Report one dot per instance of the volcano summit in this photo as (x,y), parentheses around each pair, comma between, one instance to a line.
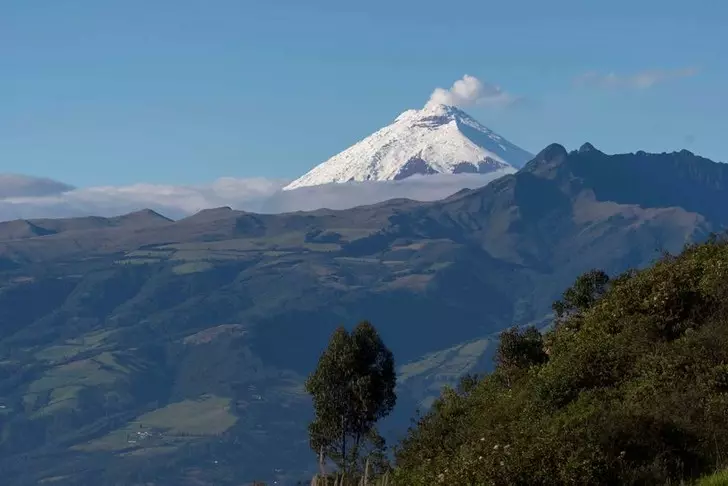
(438,139)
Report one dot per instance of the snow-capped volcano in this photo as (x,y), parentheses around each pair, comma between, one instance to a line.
(438,139)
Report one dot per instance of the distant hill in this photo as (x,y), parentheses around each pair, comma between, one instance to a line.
(139,349)
(21,228)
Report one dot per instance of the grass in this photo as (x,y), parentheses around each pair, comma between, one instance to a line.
(63,352)
(53,479)
(412,281)
(137,261)
(154,254)
(356,260)
(62,384)
(717,479)
(149,451)
(288,241)
(108,360)
(439,266)
(92,339)
(73,347)
(63,397)
(207,416)
(427,376)
(192,267)
(446,364)
(165,429)
(84,372)
(212,333)
(206,253)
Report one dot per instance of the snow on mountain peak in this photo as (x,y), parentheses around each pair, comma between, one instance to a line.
(438,139)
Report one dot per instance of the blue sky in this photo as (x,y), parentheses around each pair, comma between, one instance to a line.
(182,92)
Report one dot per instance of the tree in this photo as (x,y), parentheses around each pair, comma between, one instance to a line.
(519,349)
(587,289)
(467,383)
(352,388)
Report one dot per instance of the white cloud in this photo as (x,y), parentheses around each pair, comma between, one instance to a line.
(470,91)
(256,194)
(641,80)
(351,194)
(13,185)
(172,201)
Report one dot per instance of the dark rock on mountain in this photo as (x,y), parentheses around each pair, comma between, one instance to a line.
(587,147)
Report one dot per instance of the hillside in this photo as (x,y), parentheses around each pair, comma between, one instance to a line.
(629,388)
(174,352)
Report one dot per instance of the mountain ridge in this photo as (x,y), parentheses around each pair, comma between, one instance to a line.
(222,315)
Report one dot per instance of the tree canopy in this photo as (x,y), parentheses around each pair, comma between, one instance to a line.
(352,388)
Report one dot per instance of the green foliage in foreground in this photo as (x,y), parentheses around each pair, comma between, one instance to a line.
(631,387)
(717,479)
(352,388)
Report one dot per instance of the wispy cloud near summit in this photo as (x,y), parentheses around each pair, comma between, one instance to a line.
(470,91)
(640,80)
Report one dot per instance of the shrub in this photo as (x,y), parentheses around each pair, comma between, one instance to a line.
(630,387)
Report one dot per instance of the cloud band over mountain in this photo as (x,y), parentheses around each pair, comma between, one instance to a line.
(24,197)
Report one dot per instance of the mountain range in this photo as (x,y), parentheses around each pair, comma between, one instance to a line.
(141,350)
